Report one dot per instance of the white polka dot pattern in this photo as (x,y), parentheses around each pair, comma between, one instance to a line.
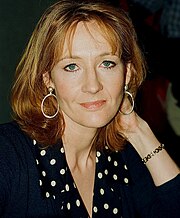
(43,173)
(53,183)
(43,152)
(78,203)
(53,161)
(62,171)
(95,209)
(115,211)
(56,180)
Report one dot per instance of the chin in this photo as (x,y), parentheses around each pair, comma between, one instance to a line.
(97,122)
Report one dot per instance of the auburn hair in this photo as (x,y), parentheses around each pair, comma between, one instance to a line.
(42,53)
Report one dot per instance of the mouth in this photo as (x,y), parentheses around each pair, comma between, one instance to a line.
(93,105)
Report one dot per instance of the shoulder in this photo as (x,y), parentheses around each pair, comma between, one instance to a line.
(14,143)
(11,132)
(8,128)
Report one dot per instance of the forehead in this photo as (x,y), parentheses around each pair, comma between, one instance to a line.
(86,32)
(86,36)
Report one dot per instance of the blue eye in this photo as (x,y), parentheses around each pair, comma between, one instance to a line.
(108,64)
(71,67)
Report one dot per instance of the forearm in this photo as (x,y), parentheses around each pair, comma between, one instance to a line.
(161,165)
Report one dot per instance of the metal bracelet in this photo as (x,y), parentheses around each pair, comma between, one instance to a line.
(157,150)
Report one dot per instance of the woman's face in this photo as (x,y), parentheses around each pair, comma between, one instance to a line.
(89,80)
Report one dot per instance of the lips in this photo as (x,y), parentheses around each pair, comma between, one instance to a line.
(94,105)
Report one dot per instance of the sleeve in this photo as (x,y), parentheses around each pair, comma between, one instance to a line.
(169,195)
(149,200)
(4,186)
(7,166)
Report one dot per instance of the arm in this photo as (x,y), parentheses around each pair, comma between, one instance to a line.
(7,168)
(151,201)
(4,187)
(161,166)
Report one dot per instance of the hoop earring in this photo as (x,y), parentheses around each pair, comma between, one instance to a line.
(50,89)
(132,101)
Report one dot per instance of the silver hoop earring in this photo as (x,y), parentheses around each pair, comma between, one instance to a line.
(50,89)
(132,101)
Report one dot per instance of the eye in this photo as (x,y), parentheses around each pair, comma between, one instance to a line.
(108,64)
(71,67)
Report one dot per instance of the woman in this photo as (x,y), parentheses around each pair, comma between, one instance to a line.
(76,145)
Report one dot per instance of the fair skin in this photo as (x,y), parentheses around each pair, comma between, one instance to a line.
(89,85)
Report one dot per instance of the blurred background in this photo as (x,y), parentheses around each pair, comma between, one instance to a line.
(17,21)
(158,100)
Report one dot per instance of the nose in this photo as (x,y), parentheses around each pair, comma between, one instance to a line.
(92,83)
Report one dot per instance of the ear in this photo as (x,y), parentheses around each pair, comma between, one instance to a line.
(47,80)
(128,73)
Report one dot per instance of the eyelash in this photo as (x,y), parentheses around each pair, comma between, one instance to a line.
(69,65)
(111,63)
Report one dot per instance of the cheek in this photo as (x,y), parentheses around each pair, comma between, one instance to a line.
(117,88)
(65,92)
(117,93)
(62,92)
(60,85)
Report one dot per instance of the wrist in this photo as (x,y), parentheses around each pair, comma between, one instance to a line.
(153,153)
(143,140)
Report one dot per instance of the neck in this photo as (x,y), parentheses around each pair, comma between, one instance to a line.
(78,145)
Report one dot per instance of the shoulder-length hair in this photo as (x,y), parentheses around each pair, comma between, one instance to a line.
(42,53)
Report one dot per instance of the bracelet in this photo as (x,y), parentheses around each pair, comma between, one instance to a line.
(157,150)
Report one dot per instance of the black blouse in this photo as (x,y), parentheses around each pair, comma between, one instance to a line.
(57,182)
(38,183)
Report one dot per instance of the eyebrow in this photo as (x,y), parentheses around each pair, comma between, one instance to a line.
(78,57)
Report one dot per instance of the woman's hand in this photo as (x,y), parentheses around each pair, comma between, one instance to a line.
(139,134)
(136,131)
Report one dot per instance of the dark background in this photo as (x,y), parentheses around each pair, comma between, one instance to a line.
(17,21)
